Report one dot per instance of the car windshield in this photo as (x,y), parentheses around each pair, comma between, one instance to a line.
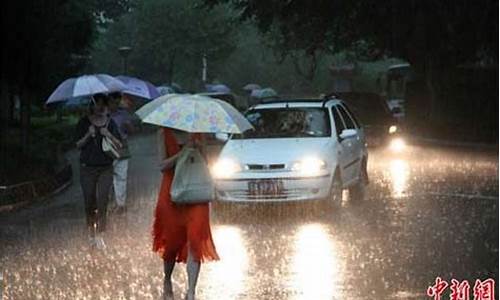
(287,123)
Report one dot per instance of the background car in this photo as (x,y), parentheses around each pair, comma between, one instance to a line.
(381,127)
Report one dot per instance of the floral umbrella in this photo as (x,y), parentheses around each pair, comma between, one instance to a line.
(194,113)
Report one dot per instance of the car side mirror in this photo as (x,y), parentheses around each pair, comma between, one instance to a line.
(348,133)
(223,137)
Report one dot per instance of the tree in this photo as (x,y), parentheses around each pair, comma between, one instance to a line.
(432,35)
(255,61)
(42,42)
(305,31)
(107,11)
(437,25)
(168,39)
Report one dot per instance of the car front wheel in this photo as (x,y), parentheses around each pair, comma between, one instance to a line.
(357,191)
(335,195)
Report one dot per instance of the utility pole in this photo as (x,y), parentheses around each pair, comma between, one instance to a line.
(204,70)
(124,52)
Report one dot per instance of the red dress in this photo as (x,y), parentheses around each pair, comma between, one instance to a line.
(176,226)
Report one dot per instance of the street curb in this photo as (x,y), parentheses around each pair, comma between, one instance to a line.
(11,207)
(37,199)
(60,188)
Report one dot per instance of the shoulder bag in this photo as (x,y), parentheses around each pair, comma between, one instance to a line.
(192,182)
(112,150)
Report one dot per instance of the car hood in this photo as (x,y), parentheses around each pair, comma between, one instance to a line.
(274,151)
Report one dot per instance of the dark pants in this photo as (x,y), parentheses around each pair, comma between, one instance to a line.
(96,182)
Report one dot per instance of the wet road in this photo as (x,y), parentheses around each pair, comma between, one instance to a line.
(428,212)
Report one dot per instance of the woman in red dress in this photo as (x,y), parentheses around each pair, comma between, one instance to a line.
(181,233)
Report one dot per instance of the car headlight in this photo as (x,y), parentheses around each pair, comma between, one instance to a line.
(393,129)
(310,166)
(397,145)
(225,168)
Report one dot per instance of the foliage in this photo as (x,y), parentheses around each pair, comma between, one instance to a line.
(304,31)
(168,40)
(47,41)
(104,53)
(49,141)
(438,38)
(44,42)
(255,62)
(450,31)
(107,11)
(262,65)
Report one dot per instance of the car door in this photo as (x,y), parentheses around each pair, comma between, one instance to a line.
(355,143)
(344,149)
(359,126)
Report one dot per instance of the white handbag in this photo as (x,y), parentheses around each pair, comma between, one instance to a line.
(109,148)
(192,182)
(112,150)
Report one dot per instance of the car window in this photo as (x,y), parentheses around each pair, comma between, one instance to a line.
(339,124)
(287,123)
(347,119)
(353,117)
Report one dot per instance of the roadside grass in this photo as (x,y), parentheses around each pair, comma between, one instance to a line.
(48,141)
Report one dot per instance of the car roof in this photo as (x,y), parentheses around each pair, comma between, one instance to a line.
(296,102)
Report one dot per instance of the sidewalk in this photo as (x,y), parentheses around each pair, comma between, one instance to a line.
(69,202)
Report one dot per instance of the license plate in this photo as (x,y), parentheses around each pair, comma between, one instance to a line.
(265,187)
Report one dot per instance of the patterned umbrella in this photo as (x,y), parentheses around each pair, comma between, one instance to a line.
(139,88)
(86,85)
(194,113)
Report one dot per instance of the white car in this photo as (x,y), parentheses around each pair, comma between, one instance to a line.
(300,149)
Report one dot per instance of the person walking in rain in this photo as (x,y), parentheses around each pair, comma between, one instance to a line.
(181,233)
(123,121)
(96,167)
